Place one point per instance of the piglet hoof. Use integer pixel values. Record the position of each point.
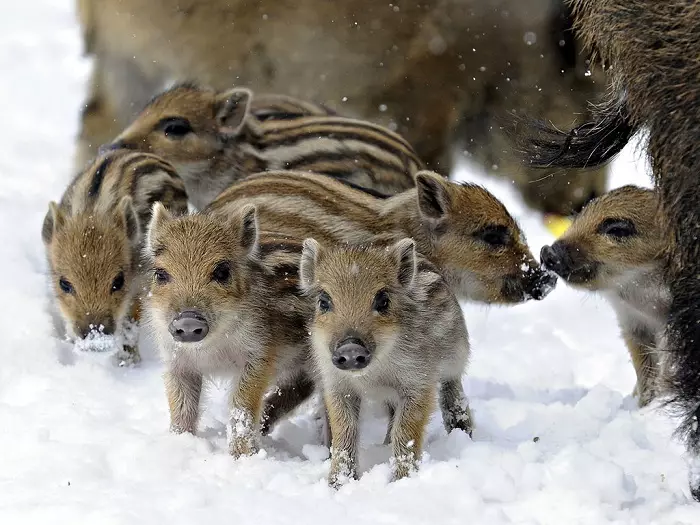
(403, 467)
(461, 420)
(178, 429)
(342, 470)
(337, 480)
(465, 426)
(242, 440)
(242, 448)
(402, 471)
(128, 356)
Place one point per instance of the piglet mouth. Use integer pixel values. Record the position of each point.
(569, 263)
(543, 281)
(97, 341)
(535, 284)
(582, 275)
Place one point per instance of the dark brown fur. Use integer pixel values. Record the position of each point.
(654, 50)
(440, 72)
(461, 228)
(464, 230)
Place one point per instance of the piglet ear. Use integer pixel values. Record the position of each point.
(433, 195)
(233, 107)
(128, 216)
(247, 223)
(307, 267)
(53, 221)
(405, 255)
(159, 218)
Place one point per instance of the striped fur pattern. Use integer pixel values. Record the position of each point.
(273, 106)
(386, 327)
(244, 288)
(446, 73)
(462, 228)
(93, 238)
(213, 140)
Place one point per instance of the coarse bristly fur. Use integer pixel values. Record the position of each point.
(439, 72)
(654, 52)
(398, 312)
(462, 229)
(215, 139)
(242, 291)
(93, 239)
(617, 247)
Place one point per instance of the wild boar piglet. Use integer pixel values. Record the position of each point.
(386, 326)
(617, 246)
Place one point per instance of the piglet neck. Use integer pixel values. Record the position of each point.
(402, 213)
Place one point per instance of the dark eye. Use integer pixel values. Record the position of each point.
(496, 236)
(161, 276)
(175, 127)
(65, 286)
(381, 302)
(618, 228)
(325, 304)
(222, 273)
(118, 282)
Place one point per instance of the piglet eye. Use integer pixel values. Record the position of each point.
(222, 273)
(65, 285)
(161, 276)
(381, 302)
(118, 282)
(617, 228)
(175, 127)
(325, 304)
(496, 236)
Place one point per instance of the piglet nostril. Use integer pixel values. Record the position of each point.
(351, 356)
(553, 258)
(189, 327)
(548, 257)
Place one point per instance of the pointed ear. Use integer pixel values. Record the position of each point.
(159, 217)
(307, 266)
(247, 223)
(52, 222)
(433, 195)
(127, 213)
(404, 253)
(232, 111)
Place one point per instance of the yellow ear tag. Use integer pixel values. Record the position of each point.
(557, 224)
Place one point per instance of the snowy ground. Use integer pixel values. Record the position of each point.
(84, 442)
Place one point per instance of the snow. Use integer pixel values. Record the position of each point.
(557, 437)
